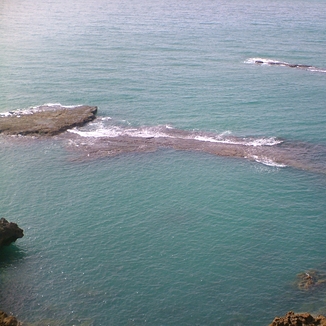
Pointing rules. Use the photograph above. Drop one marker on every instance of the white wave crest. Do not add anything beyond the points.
(271, 141)
(100, 130)
(314, 69)
(265, 61)
(116, 131)
(267, 161)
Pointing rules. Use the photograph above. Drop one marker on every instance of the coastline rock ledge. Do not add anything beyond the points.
(9, 232)
(301, 319)
(46, 120)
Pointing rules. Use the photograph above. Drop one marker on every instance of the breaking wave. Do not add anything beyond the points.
(106, 137)
(103, 138)
(100, 130)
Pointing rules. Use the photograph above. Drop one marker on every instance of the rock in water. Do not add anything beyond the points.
(6, 320)
(292, 319)
(9, 232)
(46, 121)
(311, 280)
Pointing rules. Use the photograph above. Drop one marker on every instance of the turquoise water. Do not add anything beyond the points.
(168, 237)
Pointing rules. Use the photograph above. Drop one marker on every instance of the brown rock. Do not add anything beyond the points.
(9, 232)
(6, 320)
(303, 319)
(46, 121)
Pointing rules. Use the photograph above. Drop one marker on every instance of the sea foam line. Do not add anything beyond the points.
(267, 161)
(38, 108)
(99, 130)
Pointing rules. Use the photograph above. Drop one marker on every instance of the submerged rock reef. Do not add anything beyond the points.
(272, 62)
(300, 319)
(311, 280)
(71, 124)
(47, 120)
(9, 232)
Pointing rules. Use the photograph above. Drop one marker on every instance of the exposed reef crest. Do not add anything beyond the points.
(272, 62)
(103, 137)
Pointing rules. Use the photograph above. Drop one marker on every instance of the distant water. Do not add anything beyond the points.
(171, 236)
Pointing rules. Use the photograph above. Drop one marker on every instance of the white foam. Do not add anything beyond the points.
(47, 106)
(244, 141)
(115, 131)
(98, 133)
(271, 141)
(313, 69)
(265, 61)
(267, 161)
(6, 114)
(100, 130)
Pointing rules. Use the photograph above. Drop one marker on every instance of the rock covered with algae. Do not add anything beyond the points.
(46, 120)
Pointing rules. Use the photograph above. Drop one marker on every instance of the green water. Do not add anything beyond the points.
(169, 237)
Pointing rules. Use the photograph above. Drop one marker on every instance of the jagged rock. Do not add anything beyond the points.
(6, 320)
(303, 319)
(46, 121)
(9, 232)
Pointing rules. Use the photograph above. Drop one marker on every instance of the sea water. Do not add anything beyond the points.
(167, 237)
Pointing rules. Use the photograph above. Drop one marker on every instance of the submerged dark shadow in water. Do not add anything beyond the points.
(11, 255)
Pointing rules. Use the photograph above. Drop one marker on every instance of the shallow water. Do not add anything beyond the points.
(164, 236)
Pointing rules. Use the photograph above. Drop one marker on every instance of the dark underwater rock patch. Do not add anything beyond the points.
(311, 280)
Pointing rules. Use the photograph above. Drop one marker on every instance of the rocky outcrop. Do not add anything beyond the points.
(9, 232)
(46, 120)
(311, 280)
(303, 319)
(6, 320)
(280, 63)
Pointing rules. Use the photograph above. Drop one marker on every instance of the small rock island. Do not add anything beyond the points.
(46, 120)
